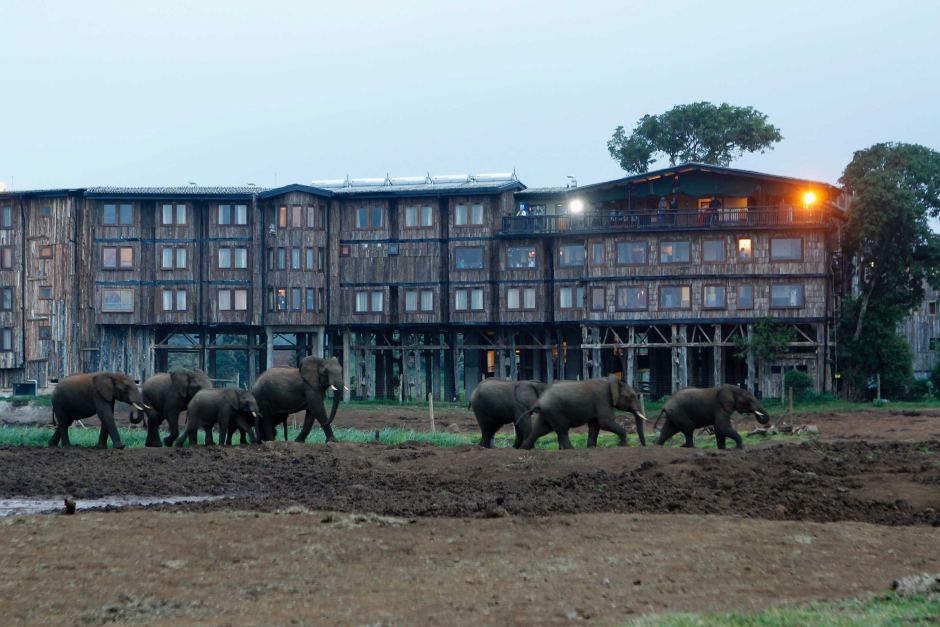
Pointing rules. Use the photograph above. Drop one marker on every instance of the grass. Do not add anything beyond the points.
(39, 436)
(877, 611)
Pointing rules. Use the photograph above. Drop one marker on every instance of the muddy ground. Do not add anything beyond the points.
(472, 536)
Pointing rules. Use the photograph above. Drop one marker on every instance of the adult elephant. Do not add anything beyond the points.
(694, 408)
(570, 404)
(282, 391)
(496, 402)
(228, 408)
(87, 394)
(168, 395)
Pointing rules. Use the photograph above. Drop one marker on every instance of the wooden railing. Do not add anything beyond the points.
(661, 220)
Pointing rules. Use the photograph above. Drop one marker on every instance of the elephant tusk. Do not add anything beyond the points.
(333, 387)
(138, 407)
(759, 413)
(256, 414)
(345, 388)
(642, 417)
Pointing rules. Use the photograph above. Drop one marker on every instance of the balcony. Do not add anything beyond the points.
(625, 222)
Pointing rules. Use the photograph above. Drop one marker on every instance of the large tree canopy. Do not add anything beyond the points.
(699, 132)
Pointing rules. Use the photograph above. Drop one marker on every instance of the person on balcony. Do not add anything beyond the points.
(786, 211)
(674, 209)
(711, 214)
(661, 210)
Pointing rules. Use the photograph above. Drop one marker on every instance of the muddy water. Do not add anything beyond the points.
(22, 506)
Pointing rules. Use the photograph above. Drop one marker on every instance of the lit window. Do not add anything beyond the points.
(673, 252)
(745, 252)
(713, 296)
(675, 297)
(282, 217)
(521, 257)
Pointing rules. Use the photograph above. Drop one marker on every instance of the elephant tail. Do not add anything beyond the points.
(531, 410)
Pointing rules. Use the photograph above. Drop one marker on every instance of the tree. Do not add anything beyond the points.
(700, 132)
(767, 343)
(895, 189)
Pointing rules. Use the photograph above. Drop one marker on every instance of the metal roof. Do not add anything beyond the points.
(180, 190)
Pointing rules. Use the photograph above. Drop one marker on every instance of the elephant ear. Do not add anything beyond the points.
(614, 384)
(104, 386)
(181, 382)
(728, 396)
(310, 371)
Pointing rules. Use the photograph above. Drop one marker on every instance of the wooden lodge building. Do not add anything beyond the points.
(423, 284)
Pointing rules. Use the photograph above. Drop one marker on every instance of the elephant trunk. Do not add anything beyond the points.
(337, 398)
(140, 415)
(640, 429)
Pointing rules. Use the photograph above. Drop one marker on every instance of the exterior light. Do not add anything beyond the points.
(576, 206)
(809, 198)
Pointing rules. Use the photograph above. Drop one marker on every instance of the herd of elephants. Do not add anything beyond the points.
(534, 408)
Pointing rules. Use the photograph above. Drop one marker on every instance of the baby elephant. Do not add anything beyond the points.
(229, 407)
(694, 408)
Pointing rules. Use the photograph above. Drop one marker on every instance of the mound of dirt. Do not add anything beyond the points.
(888, 483)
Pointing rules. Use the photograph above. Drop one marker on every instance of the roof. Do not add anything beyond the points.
(532, 192)
(294, 187)
(180, 190)
(431, 189)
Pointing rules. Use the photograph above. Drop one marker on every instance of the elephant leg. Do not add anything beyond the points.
(106, 416)
(540, 428)
(188, 434)
(609, 424)
(328, 433)
(593, 431)
(224, 427)
(305, 430)
(56, 436)
(487, 432)
(564, 442)
(61, 426)
(102, 437)
(719, 439)
(209, 440)
(723, 429)
(688, 438)
(173, 424)
(153, 431)
(666, 433)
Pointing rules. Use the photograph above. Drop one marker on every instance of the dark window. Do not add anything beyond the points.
(6, 257)
(233, 214)
(281, 258)
(571, 255)
(713, 250)
(309, 259)
(6, 217)
(713, 297)
(45, 332)
(786, 296)
(45, 292)
(295, 258)
(786, 249)
(468, 299)
(369, 218)
(411, 300)
(571, 298)
(630, 298)
(321, 258)
(745, 297)
(46, 211)
(631, 253)
(174, 300)
(675, 297)
(598, 299)
(932, 344)
(117, 300)
(427, 300)
(45, 252)
(469, 258)
(674, 252)
(521, 257)
(6, 339)
(931, 306)
(597, 253)
(114, 257)
(233, 299)
(295, 298)
(311, 303)
(117, 214)
(6, 299)
(296, 216)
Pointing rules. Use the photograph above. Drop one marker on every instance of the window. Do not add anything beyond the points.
(296, 216)
(675, 297)
(233, 257)
(117, 301)
(411, 301)
(745, 252)
(45, 252)
(6, 299)
(571, 298)
(570, 255)
(6, 339)
(114, 257)
(295, 298)
(233, 300)
(309, 298)
(45, 332)
(172, 257)
(281, 258)
(520, 298)
(427, 300)
(471, 299)
(280, 299)
(295, 258)
(464, 217)
(786, 249)
(377, 301)
(598, 299)
(282, 217)
(713, 297)
(369, 218)
(713, 251)
(786, 296)
(6, 217)
(173, 214)
(45, 292)
(233, 214)
(520, 257)
(630, 298)
(311, 217)
(344, 250)
(460, 215)
(117, 215)
(512, 298)
(418, 217)
(6, 257)
(469, 257)
(745, 297)
(673, 252)
(174, 300)
(631, 253)
(931, 306)
(369, 302)
(476, 214)
(597, 253)
(321, 257)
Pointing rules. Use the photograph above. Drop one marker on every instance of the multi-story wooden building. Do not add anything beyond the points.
(423, 285)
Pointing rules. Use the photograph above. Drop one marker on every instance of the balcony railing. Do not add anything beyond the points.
(739, 217)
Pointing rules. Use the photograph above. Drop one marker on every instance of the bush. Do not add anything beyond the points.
(935, 378)
(921, 390)
(800, 382)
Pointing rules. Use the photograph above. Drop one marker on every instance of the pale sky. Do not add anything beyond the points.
(165, 92)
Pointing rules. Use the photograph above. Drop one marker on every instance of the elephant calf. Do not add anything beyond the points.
(168, 395)
(496, 402)
(694, 408)
(573, 403)
(228, 407)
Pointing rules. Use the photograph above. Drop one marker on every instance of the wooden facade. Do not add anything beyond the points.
(422, 287)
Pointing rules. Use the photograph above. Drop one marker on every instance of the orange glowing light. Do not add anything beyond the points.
(809, 198)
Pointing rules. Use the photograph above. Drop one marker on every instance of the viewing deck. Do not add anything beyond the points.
(652, 220)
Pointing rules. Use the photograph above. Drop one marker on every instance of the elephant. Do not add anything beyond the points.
(570, 404)
(496, 402)
(168, 395)
(283, 391)
(226, 406)
(82, 395)
(694, 408)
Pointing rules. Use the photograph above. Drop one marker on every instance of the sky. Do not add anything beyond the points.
(273, 92)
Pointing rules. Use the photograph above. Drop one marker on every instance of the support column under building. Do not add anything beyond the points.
(717, 365)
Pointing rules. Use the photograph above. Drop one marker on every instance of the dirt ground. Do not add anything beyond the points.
(373, 534)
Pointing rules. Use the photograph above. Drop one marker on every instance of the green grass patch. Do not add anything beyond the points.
(39, 436)
(877, 611)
